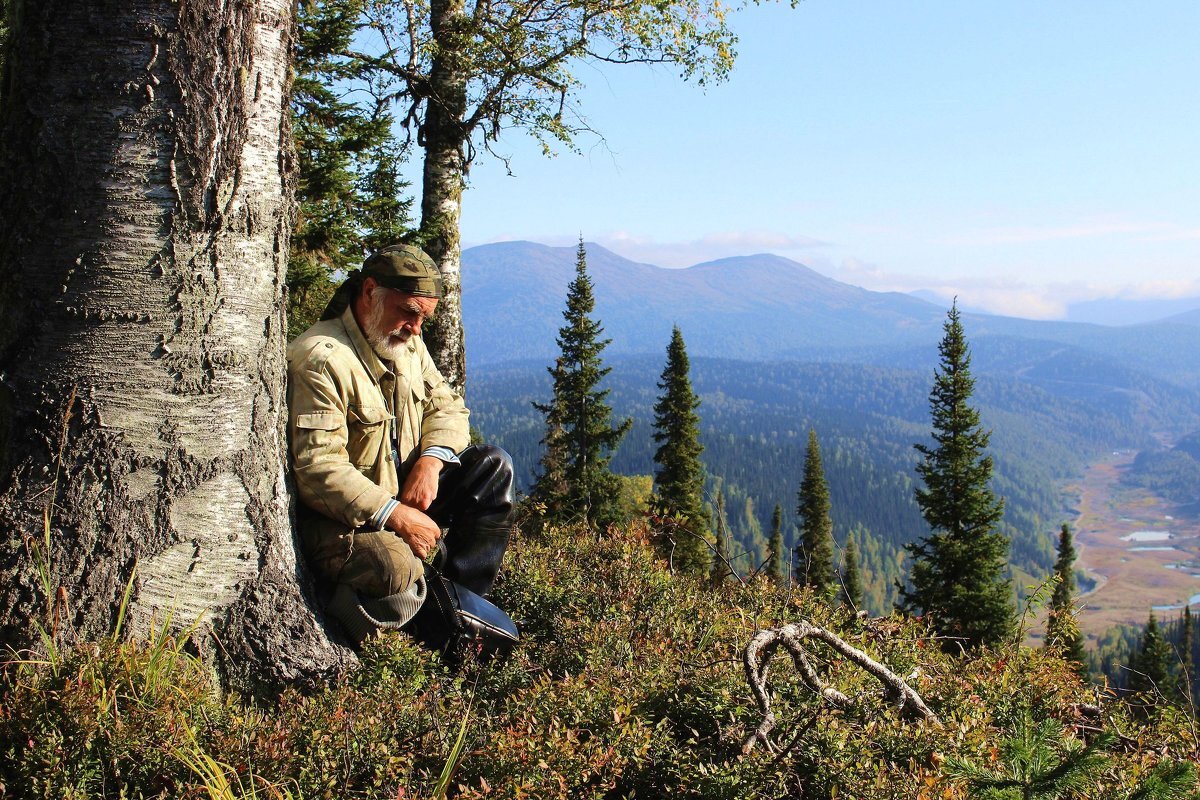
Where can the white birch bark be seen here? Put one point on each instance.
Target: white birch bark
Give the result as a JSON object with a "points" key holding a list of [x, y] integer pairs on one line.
{"points": [[147, 212]]}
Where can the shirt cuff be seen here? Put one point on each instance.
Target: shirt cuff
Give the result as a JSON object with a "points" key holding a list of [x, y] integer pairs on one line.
{"points": [[446, 455], [381, 516]]}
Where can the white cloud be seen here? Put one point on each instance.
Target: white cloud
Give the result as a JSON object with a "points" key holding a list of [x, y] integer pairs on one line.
{"points": [[1009, 296], [1161, 290]]}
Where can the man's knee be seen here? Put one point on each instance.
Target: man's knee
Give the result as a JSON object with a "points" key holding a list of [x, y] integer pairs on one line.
{"points": [[487, 476], [488, 457], [381, 565]]}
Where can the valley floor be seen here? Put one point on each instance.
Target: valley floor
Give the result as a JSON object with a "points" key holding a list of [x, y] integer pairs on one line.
{"points": [[1140, 550]]}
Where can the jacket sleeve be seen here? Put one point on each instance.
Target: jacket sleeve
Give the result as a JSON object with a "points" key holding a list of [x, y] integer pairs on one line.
{"points": [[326, 481], [444, 417]]}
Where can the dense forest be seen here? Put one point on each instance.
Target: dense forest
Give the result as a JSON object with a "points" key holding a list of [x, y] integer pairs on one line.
{"points": [[755, 417], [1173, 472], [1120, 654]]}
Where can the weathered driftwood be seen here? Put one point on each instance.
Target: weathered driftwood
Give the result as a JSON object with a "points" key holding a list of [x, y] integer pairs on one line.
{"points": [[762, 647]]}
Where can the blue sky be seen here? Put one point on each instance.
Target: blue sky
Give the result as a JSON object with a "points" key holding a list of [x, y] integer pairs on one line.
{"points": [[1022, 155]]}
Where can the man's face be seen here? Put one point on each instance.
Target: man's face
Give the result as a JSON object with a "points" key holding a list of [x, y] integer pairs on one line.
{"points": [[393, 316]]}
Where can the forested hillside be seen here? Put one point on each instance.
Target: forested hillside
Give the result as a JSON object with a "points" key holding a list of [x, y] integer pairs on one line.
{"points": [[755, 418], [1173, 472]]}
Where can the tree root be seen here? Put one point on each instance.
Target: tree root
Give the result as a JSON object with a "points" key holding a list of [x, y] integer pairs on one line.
{"points": [[757, 660]]}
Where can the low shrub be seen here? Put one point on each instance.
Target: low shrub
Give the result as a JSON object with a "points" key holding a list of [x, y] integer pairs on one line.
{"points": [[628, 683]]}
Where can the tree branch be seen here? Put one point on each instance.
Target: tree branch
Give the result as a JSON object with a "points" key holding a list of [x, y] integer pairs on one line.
{"points": [[672, 523], [761, 649]]}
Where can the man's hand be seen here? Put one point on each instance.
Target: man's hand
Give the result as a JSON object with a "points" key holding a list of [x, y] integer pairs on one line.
{"points": [[421, 486], [415, 528]]}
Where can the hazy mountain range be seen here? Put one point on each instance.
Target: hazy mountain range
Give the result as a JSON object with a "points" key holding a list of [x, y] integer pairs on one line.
{"points": [[768, 308]]}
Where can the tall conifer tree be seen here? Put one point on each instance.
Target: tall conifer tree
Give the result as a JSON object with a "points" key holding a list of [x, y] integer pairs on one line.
{"points": [[774, 568], [957, 577], [576, 482], [814, 552], [679, 482], [851, 588], [351, 196], [1062, 630]]}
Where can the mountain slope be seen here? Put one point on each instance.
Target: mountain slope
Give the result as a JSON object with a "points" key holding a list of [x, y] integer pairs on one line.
{"points": [[513, 295], [765, 307]]}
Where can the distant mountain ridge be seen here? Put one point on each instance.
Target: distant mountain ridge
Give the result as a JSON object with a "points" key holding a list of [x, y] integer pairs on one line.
{"points": [[520, 288], [766, 307]]}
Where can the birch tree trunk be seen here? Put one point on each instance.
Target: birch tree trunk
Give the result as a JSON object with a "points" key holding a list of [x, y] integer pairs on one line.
{"points": [[145, 210], [444, 137]]}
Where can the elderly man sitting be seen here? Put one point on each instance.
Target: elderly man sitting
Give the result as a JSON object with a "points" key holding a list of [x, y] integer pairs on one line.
{"points": [[380, 455]]}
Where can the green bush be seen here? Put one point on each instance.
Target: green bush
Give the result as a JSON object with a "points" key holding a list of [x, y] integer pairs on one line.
{"points": [[628, 683]]}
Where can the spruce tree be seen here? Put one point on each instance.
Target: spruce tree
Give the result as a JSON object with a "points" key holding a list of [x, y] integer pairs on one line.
{"points": [[719, 570], [814, 552], [957, 575], [576, 483], [851, 589], [1150, 666], [350, 194], [774, 568], [1062, 629], [748, 534], [679, 482]]}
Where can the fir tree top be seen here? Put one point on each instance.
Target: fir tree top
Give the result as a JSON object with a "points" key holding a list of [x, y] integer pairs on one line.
{"points": [[814, 553], [576, 482], [956, 470], [958, 572], [679, 481]]}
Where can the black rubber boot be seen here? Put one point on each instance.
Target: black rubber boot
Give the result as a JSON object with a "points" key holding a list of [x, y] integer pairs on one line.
{"points": [[475, 501]]}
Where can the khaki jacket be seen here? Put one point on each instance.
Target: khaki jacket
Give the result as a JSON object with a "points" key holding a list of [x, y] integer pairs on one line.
{"points": [[344, 403]]}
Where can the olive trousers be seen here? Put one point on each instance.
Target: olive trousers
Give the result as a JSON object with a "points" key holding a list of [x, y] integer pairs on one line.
{"points": [[474, 505]]}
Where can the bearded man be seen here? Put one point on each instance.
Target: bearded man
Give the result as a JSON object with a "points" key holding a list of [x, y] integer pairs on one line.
{"points": [[379, 445]]}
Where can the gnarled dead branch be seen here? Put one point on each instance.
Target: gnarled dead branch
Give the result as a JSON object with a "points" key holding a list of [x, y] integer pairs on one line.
{"points": [[761, 649]]}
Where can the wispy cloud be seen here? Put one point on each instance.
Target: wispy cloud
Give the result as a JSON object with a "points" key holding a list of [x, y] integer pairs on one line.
{"points": [[1089, 229], [1008, 296]]}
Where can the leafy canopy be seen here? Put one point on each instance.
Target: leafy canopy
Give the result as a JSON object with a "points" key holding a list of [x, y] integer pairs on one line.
{"points": [[351, 197], [519, 62]]}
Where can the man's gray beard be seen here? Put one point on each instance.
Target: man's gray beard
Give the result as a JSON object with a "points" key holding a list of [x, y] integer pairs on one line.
{"points": [[380, 339]]}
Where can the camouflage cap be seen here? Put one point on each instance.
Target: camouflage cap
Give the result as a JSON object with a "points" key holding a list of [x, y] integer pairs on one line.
{"points": [[405, 268]]}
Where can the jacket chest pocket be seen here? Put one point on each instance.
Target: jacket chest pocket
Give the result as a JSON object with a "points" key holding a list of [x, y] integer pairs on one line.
{"points": [[369, 437], [410, 409]]}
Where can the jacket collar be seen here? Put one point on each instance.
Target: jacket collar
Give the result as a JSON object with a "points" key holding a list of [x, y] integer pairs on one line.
{"points": [[366, 354]]}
